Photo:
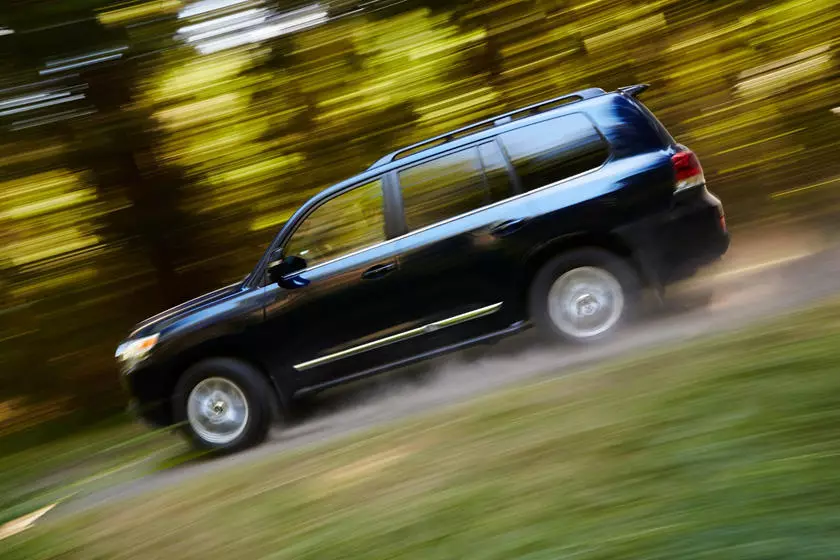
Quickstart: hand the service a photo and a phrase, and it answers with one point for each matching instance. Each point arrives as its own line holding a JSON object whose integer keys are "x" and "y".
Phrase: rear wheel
{"x": 223, "y": 405}
{"x": 582, "y": 296}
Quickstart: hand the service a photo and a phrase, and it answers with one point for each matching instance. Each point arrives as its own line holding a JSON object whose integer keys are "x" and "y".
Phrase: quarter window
{"x": 553, "y": 150}
{"x": 349, "y": 222}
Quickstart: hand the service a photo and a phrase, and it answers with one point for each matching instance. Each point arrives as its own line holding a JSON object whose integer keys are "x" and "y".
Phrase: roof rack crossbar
{"x": 498, "y": 120}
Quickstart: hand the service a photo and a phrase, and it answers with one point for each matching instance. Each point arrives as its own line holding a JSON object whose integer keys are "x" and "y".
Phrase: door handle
{"x": 378, "y": 271}
{"x": 507, "y": 227}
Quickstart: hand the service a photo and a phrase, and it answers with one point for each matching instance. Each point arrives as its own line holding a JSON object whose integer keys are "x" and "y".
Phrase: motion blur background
{"x": 151, "y": 149}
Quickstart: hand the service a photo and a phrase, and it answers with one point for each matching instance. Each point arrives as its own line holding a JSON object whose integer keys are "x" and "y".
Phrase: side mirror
{"x": 279, "y": 270}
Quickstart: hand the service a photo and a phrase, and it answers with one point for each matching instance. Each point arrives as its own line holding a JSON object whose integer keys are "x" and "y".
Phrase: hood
{"x": 161, "y": 320}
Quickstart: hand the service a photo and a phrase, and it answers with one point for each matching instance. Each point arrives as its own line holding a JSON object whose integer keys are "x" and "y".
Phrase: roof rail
{"x": 634, "y": 91}
{"x": 489, "y": 123}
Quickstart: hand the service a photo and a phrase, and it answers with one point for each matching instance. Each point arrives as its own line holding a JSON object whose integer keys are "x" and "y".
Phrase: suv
{"x": 556, "y": 215}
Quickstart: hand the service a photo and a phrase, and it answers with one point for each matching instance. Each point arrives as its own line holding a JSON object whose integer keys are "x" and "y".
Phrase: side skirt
{"x": 512, "y": 329}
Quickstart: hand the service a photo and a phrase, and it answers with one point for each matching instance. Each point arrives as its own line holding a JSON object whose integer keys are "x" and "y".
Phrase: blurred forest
{"x": 151, "y": 149}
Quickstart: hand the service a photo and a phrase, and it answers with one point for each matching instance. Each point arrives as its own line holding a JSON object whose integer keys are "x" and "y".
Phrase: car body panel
{"x": 348, "y": 309}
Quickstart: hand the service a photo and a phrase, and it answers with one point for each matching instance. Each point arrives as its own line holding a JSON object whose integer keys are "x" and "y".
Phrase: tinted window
{"x": 349, "y": 222}
{"x": 555, "y": 149}
{"x": 442, "y": 188}
{"x": 495, "y": 171}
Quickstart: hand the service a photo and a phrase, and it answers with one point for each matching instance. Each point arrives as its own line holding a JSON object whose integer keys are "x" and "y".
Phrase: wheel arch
{"x": 221, "y": 347}
{"x": 539, "y": 256}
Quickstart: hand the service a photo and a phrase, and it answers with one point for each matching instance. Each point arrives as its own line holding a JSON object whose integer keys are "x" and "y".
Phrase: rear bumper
{"x": 673, "y": 245}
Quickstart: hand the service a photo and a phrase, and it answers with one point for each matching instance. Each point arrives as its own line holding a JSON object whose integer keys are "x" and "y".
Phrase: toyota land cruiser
{"x": 554, "y": 216}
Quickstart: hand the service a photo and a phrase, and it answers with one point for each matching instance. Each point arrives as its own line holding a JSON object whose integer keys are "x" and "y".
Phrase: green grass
{"x": 95, "y": 457}
{"x": 729, "y": 448}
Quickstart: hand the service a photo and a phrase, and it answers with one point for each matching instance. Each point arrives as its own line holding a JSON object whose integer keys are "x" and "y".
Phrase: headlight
{"x": 132, "y": 352}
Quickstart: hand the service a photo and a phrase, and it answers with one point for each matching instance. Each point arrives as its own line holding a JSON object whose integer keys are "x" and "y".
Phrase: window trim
{"x": 394, "y": 217}
{"x": 393, "y": 208}
{"x": 516, "y": 197}
{"x": 515, "y": 183}
{"x": 453, "y": 218}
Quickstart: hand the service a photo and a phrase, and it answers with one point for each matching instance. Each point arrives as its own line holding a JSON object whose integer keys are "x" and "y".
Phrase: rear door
{"x": 462, "y": 243}
{"x": 464, "y": 253}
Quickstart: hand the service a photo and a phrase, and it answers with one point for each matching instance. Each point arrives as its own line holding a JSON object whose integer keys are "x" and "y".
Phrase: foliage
{"x": 170, "y": 170}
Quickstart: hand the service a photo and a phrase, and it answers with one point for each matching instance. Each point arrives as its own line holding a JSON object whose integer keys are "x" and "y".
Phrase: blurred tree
{"x": 171, "y": 169}
{"x": 138, "y": 215}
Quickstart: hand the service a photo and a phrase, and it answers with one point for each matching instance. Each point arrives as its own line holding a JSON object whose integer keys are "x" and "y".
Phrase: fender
{"x": 543, "y": 252}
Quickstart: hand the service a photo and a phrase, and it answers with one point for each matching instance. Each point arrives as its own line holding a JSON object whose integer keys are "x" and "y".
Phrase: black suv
{"x": 555, "y": 215}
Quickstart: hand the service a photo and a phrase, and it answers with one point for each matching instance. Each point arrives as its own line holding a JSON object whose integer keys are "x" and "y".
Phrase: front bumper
{"x": 152, "y": 416}
{"x": 133, "y": 410}
{"x": 149, "y": 396}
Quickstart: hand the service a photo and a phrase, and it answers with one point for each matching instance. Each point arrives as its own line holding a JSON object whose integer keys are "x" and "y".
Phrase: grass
{"x": 729, "y": 448}
{"x": 94, "y": 457}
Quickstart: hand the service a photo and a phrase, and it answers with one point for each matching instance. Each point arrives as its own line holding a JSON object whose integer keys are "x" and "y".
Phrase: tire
{"x": 582, "y": 296}
{"x": 223, "y": 405}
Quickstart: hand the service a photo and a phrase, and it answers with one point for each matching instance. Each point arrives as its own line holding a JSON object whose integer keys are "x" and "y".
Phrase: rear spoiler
{"x": 634, "y": 91}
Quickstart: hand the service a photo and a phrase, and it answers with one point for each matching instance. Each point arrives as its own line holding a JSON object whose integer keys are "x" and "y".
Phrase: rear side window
{"x": 453, "y": 184}
{"x": 553, "y": 150}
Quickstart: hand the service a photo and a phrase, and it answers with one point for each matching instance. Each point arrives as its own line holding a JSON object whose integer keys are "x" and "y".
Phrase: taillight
{"x": 687, "y": 170}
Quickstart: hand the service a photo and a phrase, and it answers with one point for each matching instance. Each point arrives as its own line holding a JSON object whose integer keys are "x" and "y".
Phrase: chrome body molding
{"x": 399, "y": 337}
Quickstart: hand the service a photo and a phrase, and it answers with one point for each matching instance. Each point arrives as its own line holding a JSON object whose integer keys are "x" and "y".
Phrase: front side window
{"x": 442, "y": 188}
{"x": 346, "y": 223}
{"x": 553, "y": 150}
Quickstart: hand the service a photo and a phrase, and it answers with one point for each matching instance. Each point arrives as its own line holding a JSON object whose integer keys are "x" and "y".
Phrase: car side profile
{"x": 554, "y": 216}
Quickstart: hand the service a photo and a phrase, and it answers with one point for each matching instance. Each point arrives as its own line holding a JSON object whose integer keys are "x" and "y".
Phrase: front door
{"x": 327, "y": 324}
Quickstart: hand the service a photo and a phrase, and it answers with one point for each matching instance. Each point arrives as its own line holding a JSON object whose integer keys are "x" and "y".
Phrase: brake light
{"x": 688, "y": 171}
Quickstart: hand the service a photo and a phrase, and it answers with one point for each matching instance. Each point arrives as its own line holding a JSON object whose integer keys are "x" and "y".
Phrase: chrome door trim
{"x": 405, "y": 335}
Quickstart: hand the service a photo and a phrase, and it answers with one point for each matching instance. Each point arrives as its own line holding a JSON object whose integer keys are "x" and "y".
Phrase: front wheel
{"x": 582, "y": 296}
{"x": 223, "y": 405}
